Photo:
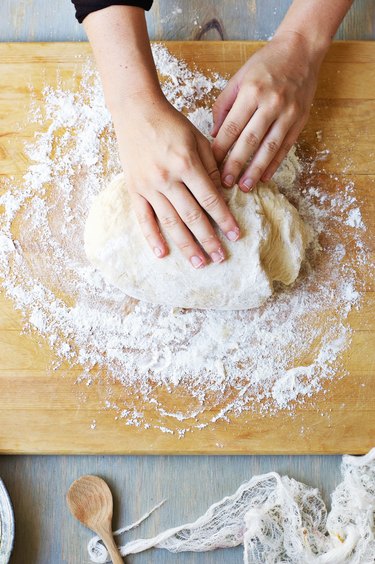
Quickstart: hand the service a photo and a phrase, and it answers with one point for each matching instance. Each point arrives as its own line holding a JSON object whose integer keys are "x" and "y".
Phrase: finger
{"x": 149, "y": 226}
{"x": 231, "y": 130}
{"x": 196, "y": 220}
{"x": 245, "y": 147}
{"x": 267, "y": 151}
{"x": 207, "y": 195}
{"x": 222, "y": 106}
{"x": 209, "y": 162}
{"x": 287, "y": 144}
{"x": 171, "y": 222}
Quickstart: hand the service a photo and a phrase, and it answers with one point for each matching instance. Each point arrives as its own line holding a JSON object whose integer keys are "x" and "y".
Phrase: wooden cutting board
{"x": 46, "y": 412}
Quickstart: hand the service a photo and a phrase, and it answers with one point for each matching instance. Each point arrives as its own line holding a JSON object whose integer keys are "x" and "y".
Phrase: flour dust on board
{"x": 269, "y": 359}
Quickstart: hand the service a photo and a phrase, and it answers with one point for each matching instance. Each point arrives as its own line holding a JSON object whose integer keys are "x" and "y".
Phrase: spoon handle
{"x": 112, "y": 548}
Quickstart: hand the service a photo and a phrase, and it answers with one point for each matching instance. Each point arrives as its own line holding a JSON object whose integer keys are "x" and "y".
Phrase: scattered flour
{"x": 355, "y": 218}
{"x": 223, "y": 362}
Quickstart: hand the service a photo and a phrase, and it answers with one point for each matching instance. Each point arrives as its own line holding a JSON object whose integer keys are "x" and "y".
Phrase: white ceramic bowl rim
{"x": 6, "y": 525}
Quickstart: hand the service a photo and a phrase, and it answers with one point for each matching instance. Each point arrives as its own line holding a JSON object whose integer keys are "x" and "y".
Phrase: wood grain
{"x": 42, "y": 410}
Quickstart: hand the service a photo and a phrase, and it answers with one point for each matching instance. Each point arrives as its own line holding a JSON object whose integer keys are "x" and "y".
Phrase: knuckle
{"x": 232, "y": 129}
{"x": 272, "y": 146}
{"x": 218, "y": 148}
{"x": 208, "y": 240}
{"x": 184, "y": 244}
{"x": 277, "y": 101}
{"x": 255, "y": 89}
{"x": 149, "y": 236}
{"x": 210, "y": 201}
{"x": 276, "y": 162}
{"x": 143, "y": 217}
{"x": 225, "y": 221}
{"x": 168, "y": 221}
{"x": 235, "y": 165}
{"x": 251, "y": 139}
{"x": 295, "y": 108}
{"x": 161, "y": 175}
{"x": 192, "y": 216}
{"x": 214, "y": 175}
{"x": 257, "y": 170}
{"x": 184, "y": 163}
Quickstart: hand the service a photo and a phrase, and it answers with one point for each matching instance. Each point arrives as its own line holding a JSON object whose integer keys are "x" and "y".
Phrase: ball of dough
{"x": 272, "y": 247}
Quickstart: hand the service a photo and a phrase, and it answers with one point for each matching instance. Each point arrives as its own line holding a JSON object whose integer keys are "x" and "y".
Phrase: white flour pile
{"x": 263, "y": 360}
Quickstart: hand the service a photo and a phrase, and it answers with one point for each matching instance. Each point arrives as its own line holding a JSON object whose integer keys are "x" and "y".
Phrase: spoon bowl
{"x": 90, "y": 501}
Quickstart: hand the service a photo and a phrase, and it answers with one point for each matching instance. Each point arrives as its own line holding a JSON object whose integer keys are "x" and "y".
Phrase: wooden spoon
{"x": 90, "y": 501}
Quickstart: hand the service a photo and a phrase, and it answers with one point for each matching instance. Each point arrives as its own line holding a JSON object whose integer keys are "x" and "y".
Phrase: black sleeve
{"x": 85, "y": 7}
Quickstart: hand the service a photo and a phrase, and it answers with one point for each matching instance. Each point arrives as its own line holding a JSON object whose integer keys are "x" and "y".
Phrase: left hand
{"x": 263, "y": 109}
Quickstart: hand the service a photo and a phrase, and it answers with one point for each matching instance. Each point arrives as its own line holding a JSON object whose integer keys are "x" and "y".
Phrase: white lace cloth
{"x": 280, "y": 520}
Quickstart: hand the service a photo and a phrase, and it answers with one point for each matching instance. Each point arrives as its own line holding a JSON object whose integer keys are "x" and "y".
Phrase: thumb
{"x": 222, "y": 106}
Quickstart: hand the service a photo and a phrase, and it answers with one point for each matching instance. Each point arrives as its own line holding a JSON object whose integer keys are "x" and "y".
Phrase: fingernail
{"x": 233, "y": 235}
{"x": 158, "y": 252}
{"x": 197, "y": 262}
{"x": 247, "y": 183}
{"x": 228, "y": 180}
{"x": 217, "y": 256}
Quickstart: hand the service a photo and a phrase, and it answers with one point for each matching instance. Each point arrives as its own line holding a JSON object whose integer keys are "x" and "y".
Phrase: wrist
{"x": 315, "y": 46}
{"x": 136, "y": 100}
{"x": 137, "y": 110}
{"x": 315, "y": 22}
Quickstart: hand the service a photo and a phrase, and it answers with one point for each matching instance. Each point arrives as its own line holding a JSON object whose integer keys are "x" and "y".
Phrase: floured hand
{"x": 173, "y": 179}
{"x": 263, "y": 109}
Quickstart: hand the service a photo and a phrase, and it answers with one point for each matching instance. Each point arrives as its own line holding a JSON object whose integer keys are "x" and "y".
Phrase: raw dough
{"x": 272, "y": 247}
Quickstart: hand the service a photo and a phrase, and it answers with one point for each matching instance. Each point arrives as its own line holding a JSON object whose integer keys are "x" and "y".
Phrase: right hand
{"x": 172, "y": 177}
